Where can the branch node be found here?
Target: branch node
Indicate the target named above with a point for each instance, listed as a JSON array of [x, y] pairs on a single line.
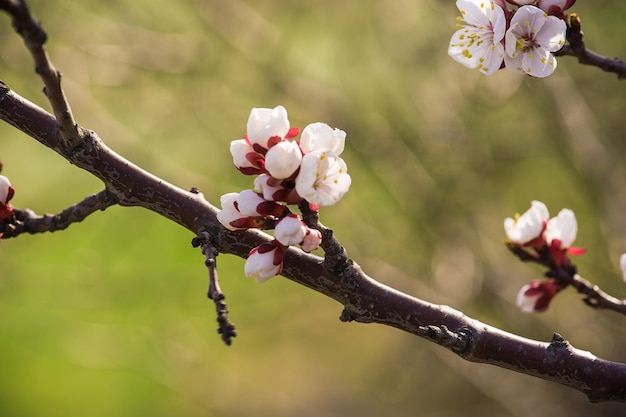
[[457, 341]]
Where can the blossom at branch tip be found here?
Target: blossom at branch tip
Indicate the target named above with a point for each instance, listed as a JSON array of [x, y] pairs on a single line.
[[478, 41], [323, 178], [562, 229], [537, 295], [622, 264], [529, 225], [321, 136], [530, 41], [265, 261]]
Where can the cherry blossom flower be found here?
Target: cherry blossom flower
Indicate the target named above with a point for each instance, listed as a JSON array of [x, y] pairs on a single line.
[[323, 178], [267, 126], [555, 7], [321, 136], [531, 38], [562, 229], [265, 261], [283, 159], [537, 295], [290, 230], [529, 225], [229, 215], [245, 158], [478, 41]]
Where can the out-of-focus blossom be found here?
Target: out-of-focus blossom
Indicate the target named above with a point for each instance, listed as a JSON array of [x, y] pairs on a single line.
[[265, 261], [478, 41], [562, 228], [6, 194], [536, 295], [622, 264], [530, 41], [529, 225]]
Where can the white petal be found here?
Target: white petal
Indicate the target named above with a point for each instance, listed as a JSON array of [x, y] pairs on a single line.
[[323, 178], [283, 159], [264, 124], [290, 230], [5, 186], [319, 135]]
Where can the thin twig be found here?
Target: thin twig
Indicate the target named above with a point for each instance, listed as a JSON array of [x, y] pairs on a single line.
[[27, 221], [225, 328], [577, 48], [34, 37]]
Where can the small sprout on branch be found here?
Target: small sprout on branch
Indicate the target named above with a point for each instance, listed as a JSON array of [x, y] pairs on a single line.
[[225, 328]]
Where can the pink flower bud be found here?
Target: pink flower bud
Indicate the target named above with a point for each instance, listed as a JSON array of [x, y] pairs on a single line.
[[290, 230], [536, 295], [265, 261], [555, 7], [311, 240], [247, 161]]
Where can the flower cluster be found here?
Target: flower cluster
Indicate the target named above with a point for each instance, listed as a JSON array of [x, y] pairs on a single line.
[[490, 36], [288, 172], [536, 236]]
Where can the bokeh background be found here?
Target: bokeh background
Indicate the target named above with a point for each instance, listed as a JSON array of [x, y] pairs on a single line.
[[109, 318]]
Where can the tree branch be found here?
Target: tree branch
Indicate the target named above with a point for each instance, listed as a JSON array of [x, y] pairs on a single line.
[[27, 221], [364, 299], [577, 48]]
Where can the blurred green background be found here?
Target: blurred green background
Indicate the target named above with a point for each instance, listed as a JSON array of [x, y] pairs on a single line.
[[109, 318]]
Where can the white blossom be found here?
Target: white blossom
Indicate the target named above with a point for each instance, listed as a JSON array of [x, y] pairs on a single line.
[[248, 203], [319, 135], [264, 124], [323, 178], [283, 159], [264, 261], [529, 225], [229, 212], [530, 41], [562, 227], [478, 41], [311, 240]]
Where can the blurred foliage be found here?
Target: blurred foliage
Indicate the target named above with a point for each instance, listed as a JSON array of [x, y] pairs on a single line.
[[109, 317]]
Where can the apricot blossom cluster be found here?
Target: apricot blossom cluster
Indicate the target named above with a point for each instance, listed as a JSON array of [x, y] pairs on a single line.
[[492, 36], [548, 241], [289, 172]]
